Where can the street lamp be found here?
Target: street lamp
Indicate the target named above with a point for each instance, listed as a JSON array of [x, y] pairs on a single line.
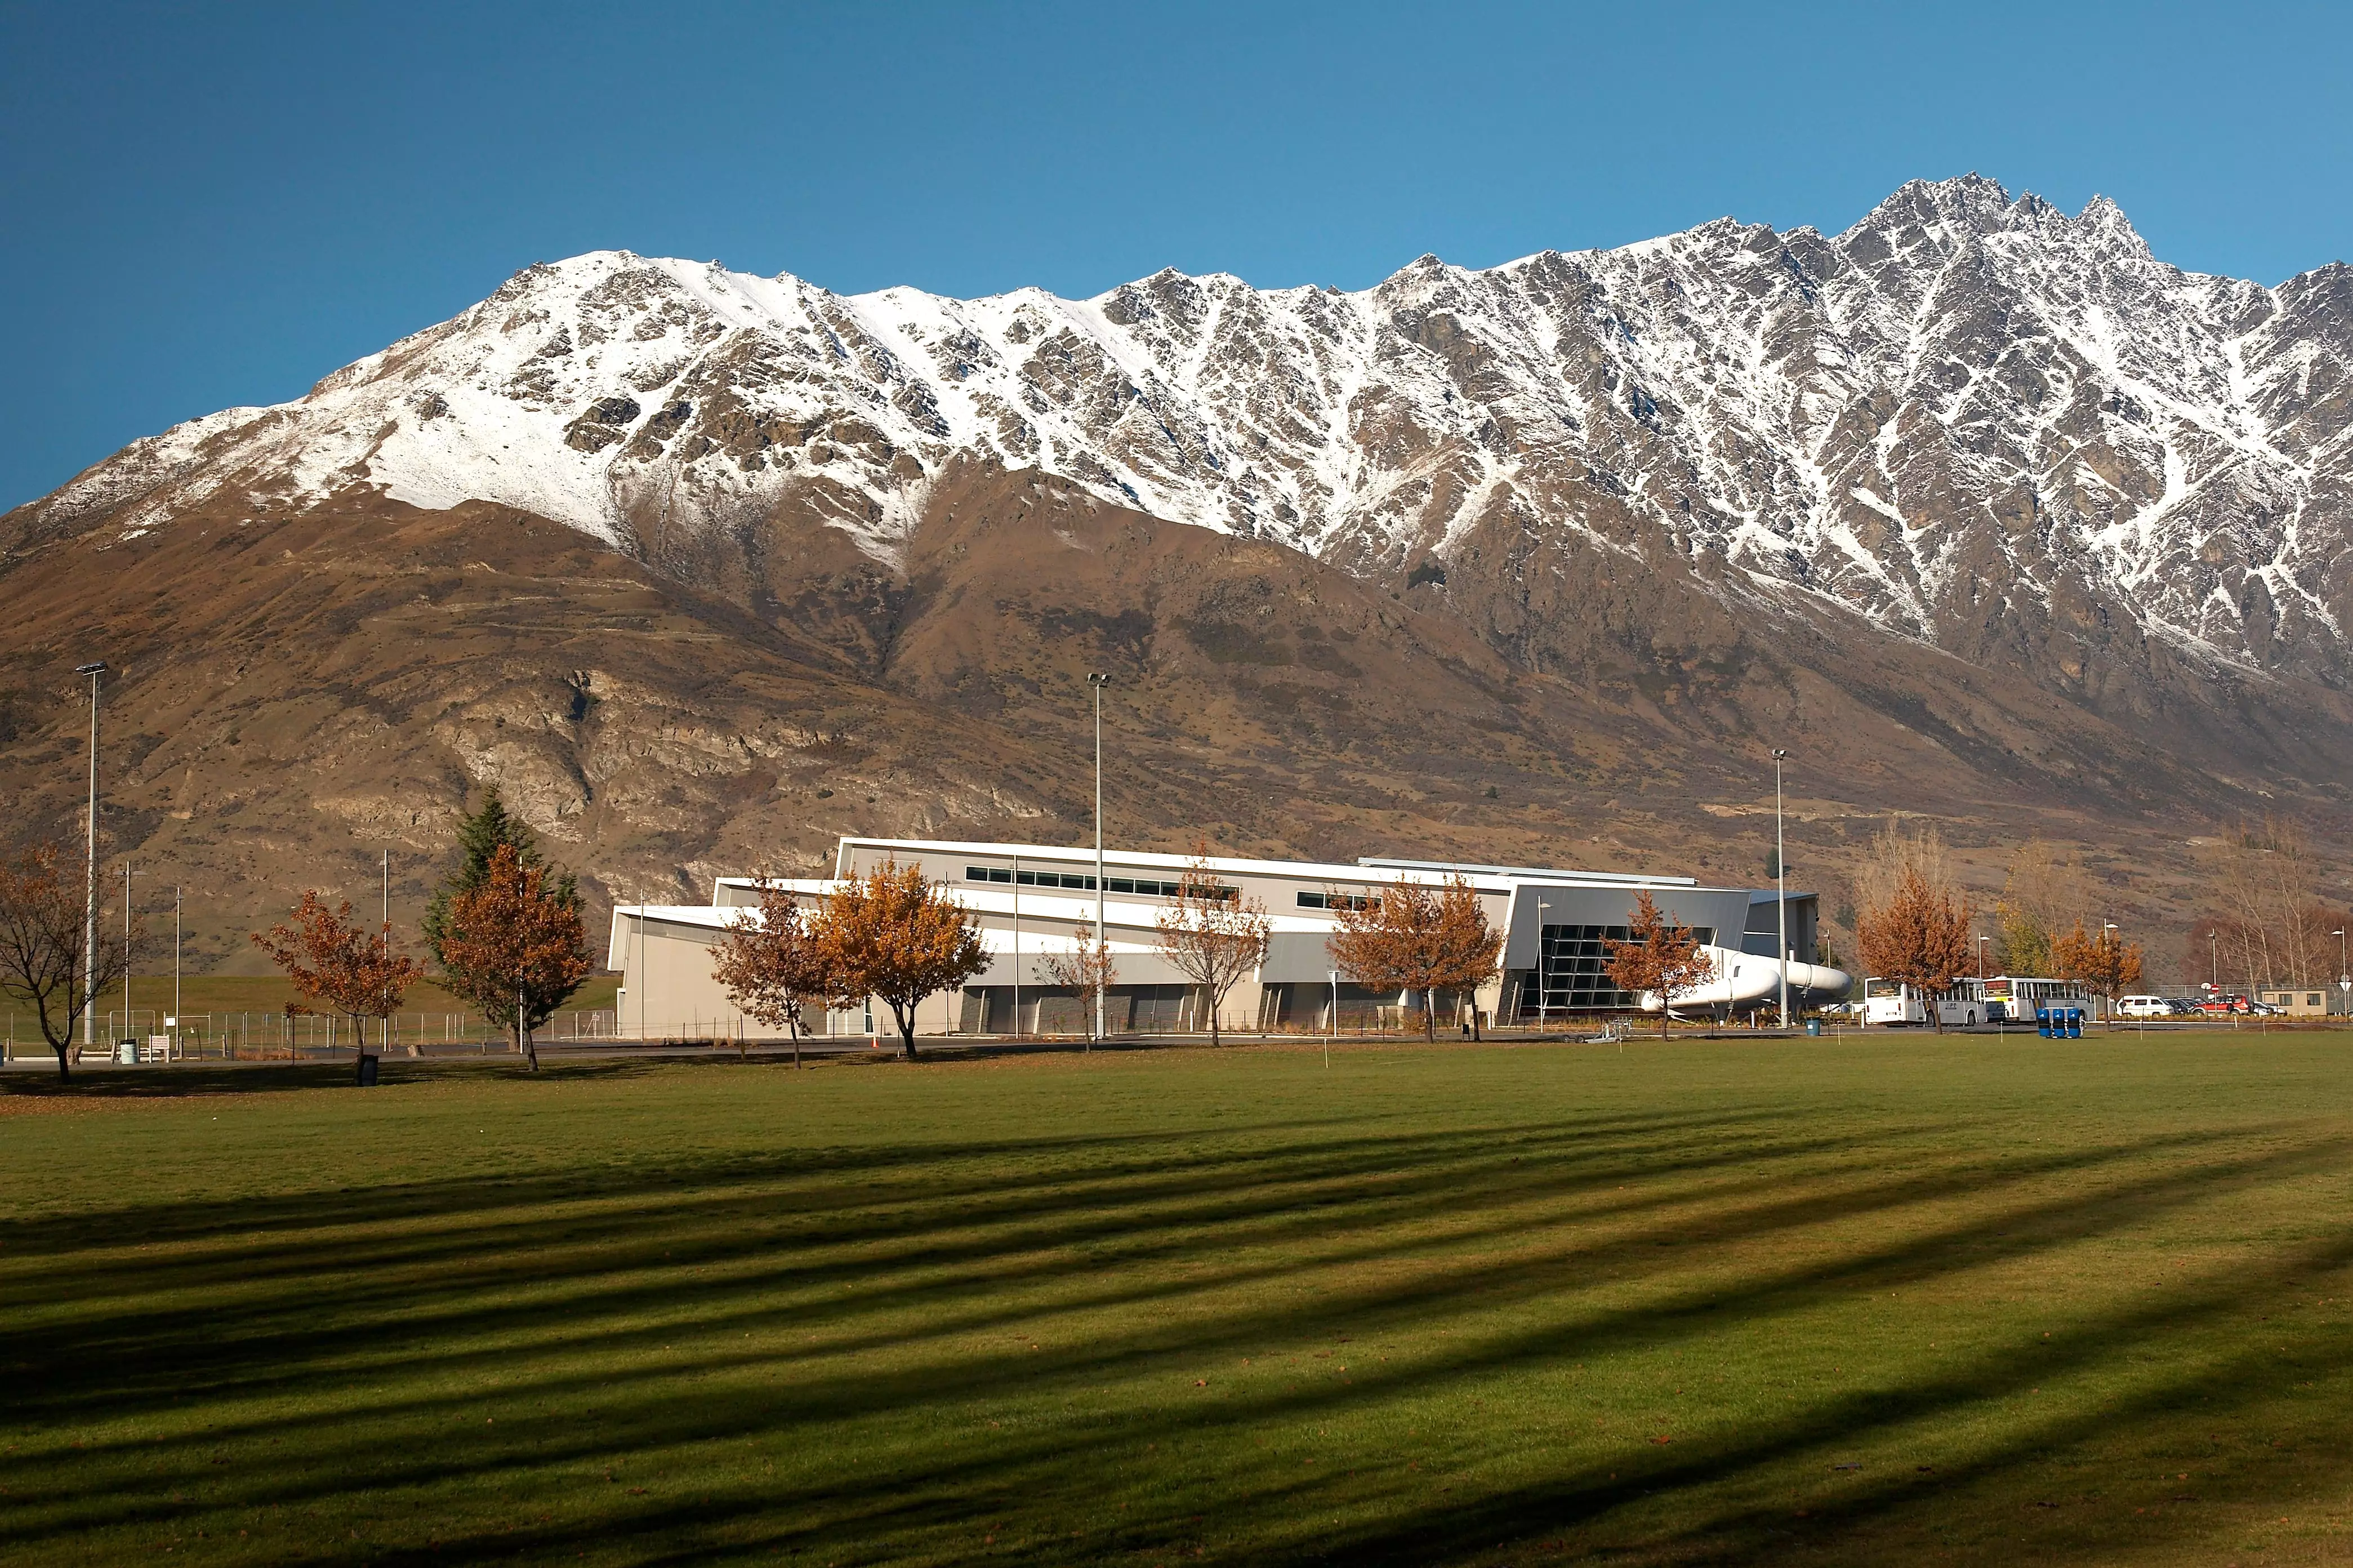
[[1982, 943], [1781, 887], [2113, 960], [1099, 682], [95, 669], [2344, 975]]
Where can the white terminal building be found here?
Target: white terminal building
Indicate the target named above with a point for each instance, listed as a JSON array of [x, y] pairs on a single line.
[[1030, 901]]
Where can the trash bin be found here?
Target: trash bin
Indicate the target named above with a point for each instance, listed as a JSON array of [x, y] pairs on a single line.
[[126, 1052], [367, 1072], [1813, 1025]]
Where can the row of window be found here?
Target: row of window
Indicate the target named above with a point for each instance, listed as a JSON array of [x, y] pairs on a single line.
[[1143, 885], [1337, 902]]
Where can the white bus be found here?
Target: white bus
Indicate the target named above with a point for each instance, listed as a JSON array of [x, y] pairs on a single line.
[[2017, 997], [1896, 1004]]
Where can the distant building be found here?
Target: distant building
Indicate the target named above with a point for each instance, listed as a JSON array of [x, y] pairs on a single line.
[[2298, 1001], [1031, 901]]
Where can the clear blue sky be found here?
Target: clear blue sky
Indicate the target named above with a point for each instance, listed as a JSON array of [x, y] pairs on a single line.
[[206, 206]]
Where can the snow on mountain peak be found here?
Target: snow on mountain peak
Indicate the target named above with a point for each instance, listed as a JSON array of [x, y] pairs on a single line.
[[1963, 405]]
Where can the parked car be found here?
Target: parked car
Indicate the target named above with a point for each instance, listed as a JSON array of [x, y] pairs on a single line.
[[2184, 1006], [2143, 1007]]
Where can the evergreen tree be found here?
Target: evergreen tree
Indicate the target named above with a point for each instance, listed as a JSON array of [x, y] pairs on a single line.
[[482, 836]]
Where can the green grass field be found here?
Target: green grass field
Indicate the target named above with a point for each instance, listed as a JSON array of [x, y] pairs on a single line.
[[1896, 1300]]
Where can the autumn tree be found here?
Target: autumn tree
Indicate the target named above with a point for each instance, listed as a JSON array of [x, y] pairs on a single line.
[[336, 959], [2043, 895], [770, 963], [43, 960], [514, 947], [1211, 934], [2101, 960], [1087, 969], [1658, 955], [894, 935], [1918, 934], [1413, 936], [480, 837]]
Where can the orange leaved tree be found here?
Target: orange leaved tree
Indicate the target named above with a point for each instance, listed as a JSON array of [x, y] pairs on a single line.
[[1211, 934], [771, 964], [1918, 934], [335, 959], [514, 947], [894, 935], [1415, 937], [1659, 955], [43, 957], [2105, 962]]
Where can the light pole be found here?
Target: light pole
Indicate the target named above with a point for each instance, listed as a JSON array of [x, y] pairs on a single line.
[[175, 966], [127, 874], [95, 669], [1543, 988], [1332, 1026], [2343, 977], [2112, 961], [1981, 958], [1781, 887], [1099, 681]]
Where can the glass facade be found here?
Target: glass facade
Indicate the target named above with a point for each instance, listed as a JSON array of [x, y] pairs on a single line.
[[1573, 976]]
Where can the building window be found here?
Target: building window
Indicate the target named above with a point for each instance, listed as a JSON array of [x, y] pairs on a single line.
[[986, 874], [1573, 973], [1337, 902]]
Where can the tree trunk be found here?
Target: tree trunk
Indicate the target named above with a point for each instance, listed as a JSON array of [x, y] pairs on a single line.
[[1428, 1016], [65, 1054], [905, 1018]]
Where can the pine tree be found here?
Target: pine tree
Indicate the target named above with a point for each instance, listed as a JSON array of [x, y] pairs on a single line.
[[481, 836]]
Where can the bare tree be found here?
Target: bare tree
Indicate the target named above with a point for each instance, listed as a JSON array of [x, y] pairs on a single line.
[[894, 935], [43, 960], [2269, 925], [771, 964], [2043, 896], [1415, 937], [1659, 955], [332, 958], [1086, 969], [1211, 935]]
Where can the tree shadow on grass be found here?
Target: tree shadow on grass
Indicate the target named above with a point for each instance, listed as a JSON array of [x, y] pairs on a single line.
[[513, 1310]]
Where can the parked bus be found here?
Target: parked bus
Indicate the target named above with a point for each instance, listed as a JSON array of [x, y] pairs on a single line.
[[2005, 998], [2015, 998], [1896, 1004]]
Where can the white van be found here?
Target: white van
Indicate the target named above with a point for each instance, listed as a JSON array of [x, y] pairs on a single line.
[[2143, 1007]]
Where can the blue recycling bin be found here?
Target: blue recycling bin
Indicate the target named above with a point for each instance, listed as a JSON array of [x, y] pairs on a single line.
[[2042, 1022]]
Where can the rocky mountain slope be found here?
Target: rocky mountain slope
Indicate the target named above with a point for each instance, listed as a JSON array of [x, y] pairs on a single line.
[[1977, 420], [2004, 519]]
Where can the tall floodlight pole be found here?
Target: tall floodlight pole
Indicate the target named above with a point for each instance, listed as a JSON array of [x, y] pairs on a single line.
[[2344, 975], [90, 876], [126, 949], [1543, 986], [1781, 886], [1017, 947], [1099, 682], [175, 965], [2116, 944]]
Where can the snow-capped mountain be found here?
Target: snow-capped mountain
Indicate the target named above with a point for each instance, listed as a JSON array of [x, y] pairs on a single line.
[[1974, 419]]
